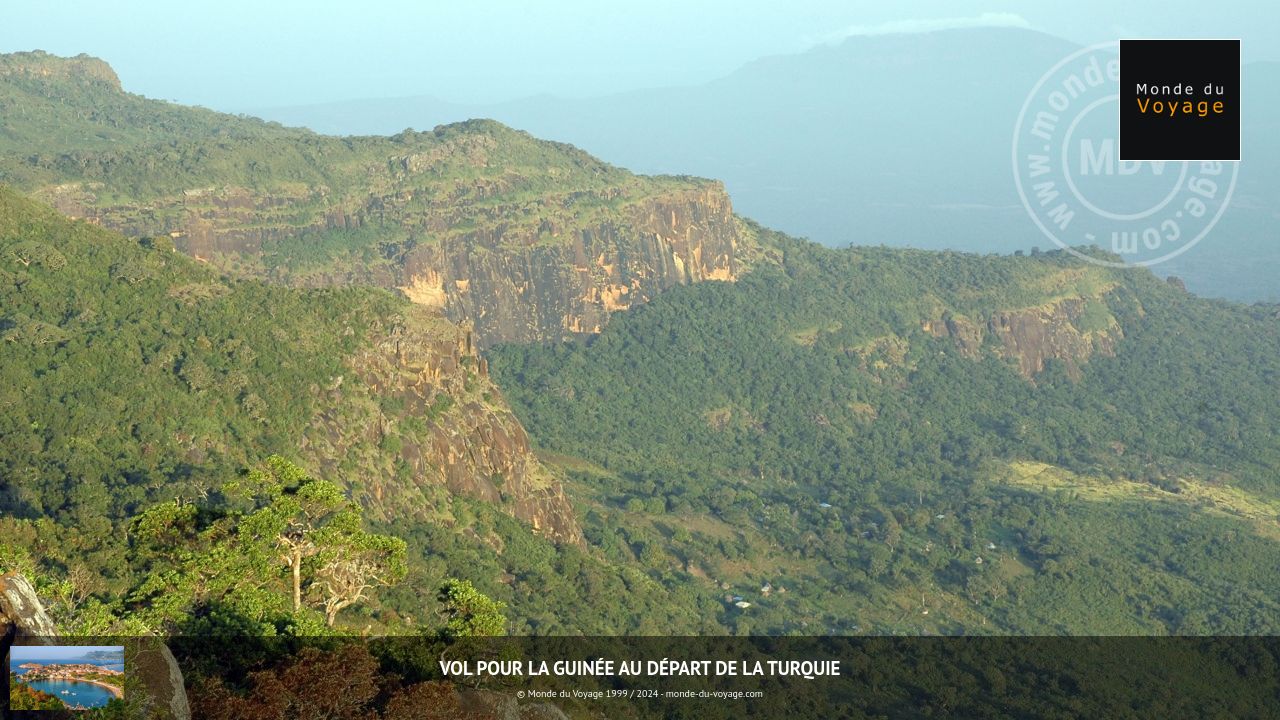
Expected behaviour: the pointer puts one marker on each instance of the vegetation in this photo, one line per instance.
(136, 402)
(800, 430)
(843, 442)
(863, 440)
(348, 682)
(205, 565)
(468, 613)
(796, 432)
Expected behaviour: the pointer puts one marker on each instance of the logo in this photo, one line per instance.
(1071, 180)
(1180, 99)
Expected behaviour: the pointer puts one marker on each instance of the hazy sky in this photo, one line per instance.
(241, 54)
(58, 652)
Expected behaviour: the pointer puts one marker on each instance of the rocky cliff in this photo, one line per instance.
(1068, 330)
(43, 67)
(564, 277)
(528, 240)
(516, 282)
(419, 404)
(521, 268)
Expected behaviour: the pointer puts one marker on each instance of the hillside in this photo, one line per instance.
(526, 239)
(839, 437)
(858, 440)
(132, 376)
(927, 442)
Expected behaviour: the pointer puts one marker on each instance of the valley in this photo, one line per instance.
(584, 401)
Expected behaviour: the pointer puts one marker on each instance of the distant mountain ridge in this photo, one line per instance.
(898, 139)
(105, 655)
(525, 239)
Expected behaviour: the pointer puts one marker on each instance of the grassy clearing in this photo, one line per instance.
(1261, 512)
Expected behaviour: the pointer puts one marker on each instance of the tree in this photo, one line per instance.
(35, 332)
(336, 685)
(312, 521)
(30, 252)
(25, 697)
(301, 506)
(467, 612)
(354, 562)
(229, 558)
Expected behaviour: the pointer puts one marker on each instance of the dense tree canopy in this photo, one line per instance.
(802, 428)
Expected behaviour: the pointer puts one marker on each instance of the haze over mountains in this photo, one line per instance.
(895, 139)
(904, 440)
(321, 411)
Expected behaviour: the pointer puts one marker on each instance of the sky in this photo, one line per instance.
(46, 653)
(237, 55)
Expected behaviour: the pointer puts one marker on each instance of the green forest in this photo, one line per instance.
(799, 430)
(137, 383)
(863, 440)
(253, 407)
(320, 207)
(795, 441)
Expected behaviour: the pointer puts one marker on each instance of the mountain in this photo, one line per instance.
(922, 442)
(132, 376)
(859, 440)
(895, 139)
(102, 333)
(524, 239)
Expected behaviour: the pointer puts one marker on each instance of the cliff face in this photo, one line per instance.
(528, 270)
(521, 239)
(419, 404)
(21, 613)
(518, 286)
(528, 240)
(1069, 330)
(386, 397)
(41, 66)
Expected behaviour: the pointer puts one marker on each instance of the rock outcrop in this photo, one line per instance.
(515, 280)
(151, 664)
(1068, 330)
(21, 613)
(515, 287)
(42, 66)
(434, 420)
(528, 240)
(1037, 335)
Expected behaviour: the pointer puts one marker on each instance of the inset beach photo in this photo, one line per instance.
(65, 677)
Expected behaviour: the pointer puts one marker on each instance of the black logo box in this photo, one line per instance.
(1185, 67)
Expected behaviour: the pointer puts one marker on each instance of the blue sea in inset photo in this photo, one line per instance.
(75, 693)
